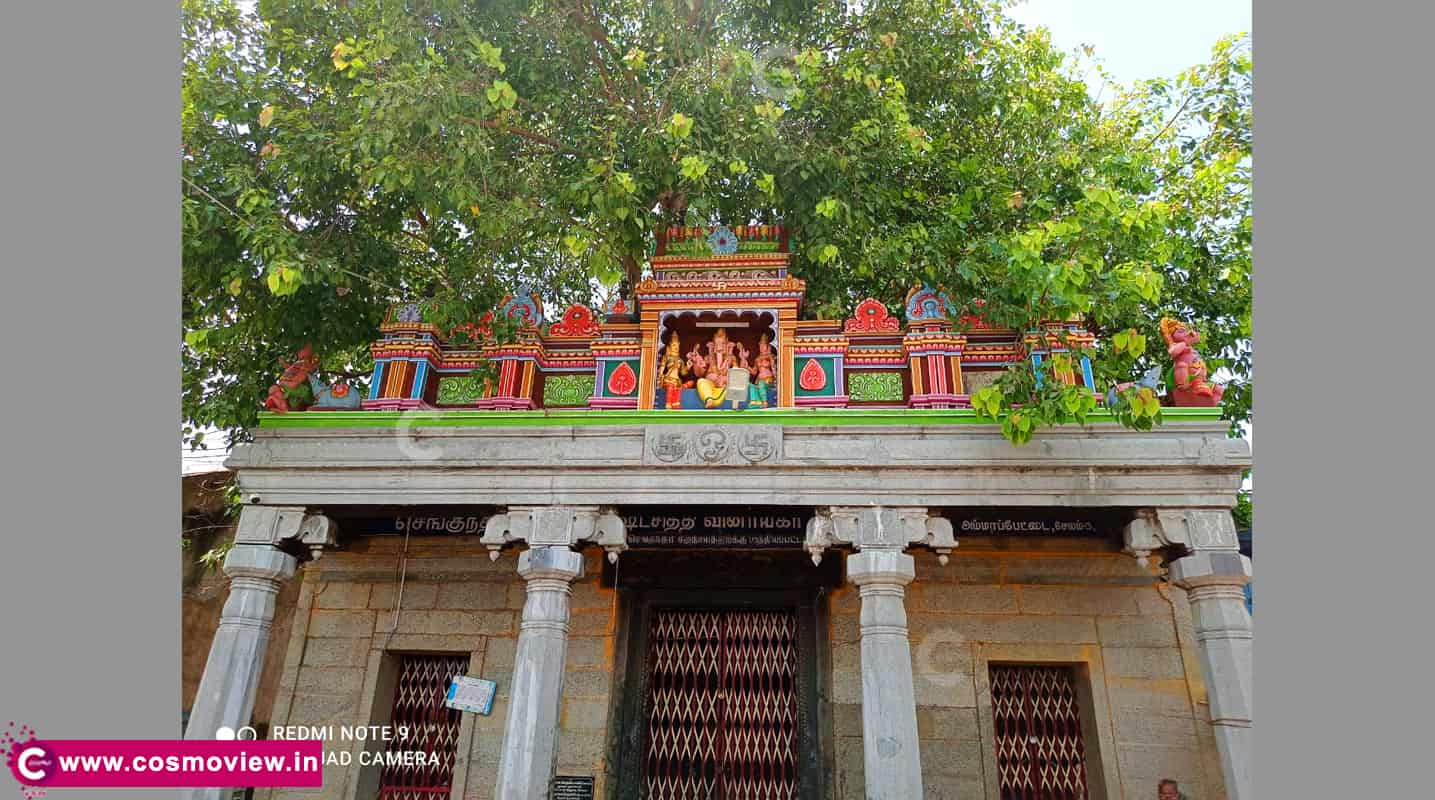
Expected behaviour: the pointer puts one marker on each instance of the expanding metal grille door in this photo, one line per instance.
(722, 706)
(433, 728)
(1040, 755)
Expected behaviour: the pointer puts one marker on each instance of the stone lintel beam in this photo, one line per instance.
(556, 526)
(878, 528)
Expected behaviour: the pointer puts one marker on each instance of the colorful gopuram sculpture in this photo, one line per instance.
(718, 309)
(299, 389)
(1190, 387)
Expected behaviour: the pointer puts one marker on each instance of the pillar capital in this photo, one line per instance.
(550, 563)
(556, 526)
(881, 567)
(1205, 568)
(1180, 529)
(878, 528)
(259, 562)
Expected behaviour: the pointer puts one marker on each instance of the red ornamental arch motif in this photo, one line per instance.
(622, 381)
(578, 320)
(871, 316)
(813, 377)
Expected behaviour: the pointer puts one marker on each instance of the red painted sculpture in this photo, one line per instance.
(287, 394)
(1190, 387)
(299, 388)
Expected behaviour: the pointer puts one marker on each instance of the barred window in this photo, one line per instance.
(1040, 751)
(419, 705)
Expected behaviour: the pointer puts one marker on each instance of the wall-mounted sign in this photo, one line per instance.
(418, 522)
(572, 787)
(730, 527)
(1036, 521)
(471, 694)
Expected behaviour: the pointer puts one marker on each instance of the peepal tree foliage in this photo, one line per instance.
(342, 157)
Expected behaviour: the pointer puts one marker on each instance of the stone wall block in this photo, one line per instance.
(341, 624)
(416, 595)
(336, 652)
(472, 595)
(341, 595)
(962, 598)
(1137, 632)
(1093, 600)
(1022, 629)
(1152, 663)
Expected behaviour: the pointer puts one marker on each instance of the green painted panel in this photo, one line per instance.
(459, 390)
(829, 368)
(609, 367)
(567, 390)
(872, 387)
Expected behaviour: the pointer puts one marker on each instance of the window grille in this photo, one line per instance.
(1040, 752)
(433, 728)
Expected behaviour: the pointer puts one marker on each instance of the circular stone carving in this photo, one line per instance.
(712, 445)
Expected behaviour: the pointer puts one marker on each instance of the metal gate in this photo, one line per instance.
(433, 727)
(1040, 754)
(722, 719)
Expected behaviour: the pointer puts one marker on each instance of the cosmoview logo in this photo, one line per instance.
(35, 763)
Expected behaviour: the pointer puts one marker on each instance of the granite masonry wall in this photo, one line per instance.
(1056, 601)
(455, 600)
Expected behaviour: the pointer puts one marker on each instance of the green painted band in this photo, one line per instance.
(784, 416)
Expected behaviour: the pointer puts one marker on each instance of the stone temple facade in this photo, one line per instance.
(823, 602)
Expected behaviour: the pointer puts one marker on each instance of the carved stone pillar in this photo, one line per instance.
(892, 764)
(1208, 564)
(549, 567)
(256, 567)
(530, 737)
(1215, 583)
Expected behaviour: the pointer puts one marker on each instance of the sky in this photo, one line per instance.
(1134, 40)
(1138, 39)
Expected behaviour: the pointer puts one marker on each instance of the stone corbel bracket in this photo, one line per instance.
(287, 528)
(878, 528)
(1182, 530)
(556, 526)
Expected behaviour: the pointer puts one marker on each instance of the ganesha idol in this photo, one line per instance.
(712, 367)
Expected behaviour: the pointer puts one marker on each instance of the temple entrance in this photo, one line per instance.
(721, 705)
(721, 657)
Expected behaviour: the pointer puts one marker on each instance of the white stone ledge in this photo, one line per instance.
(1184, 464)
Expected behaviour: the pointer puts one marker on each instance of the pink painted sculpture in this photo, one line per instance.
(1190, 386)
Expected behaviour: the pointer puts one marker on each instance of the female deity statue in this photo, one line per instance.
(670, 374)
(764, 363)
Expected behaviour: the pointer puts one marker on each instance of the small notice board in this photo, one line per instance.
(572, 787)
(471, 694)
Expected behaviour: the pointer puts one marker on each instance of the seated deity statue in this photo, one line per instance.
(712, 367)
